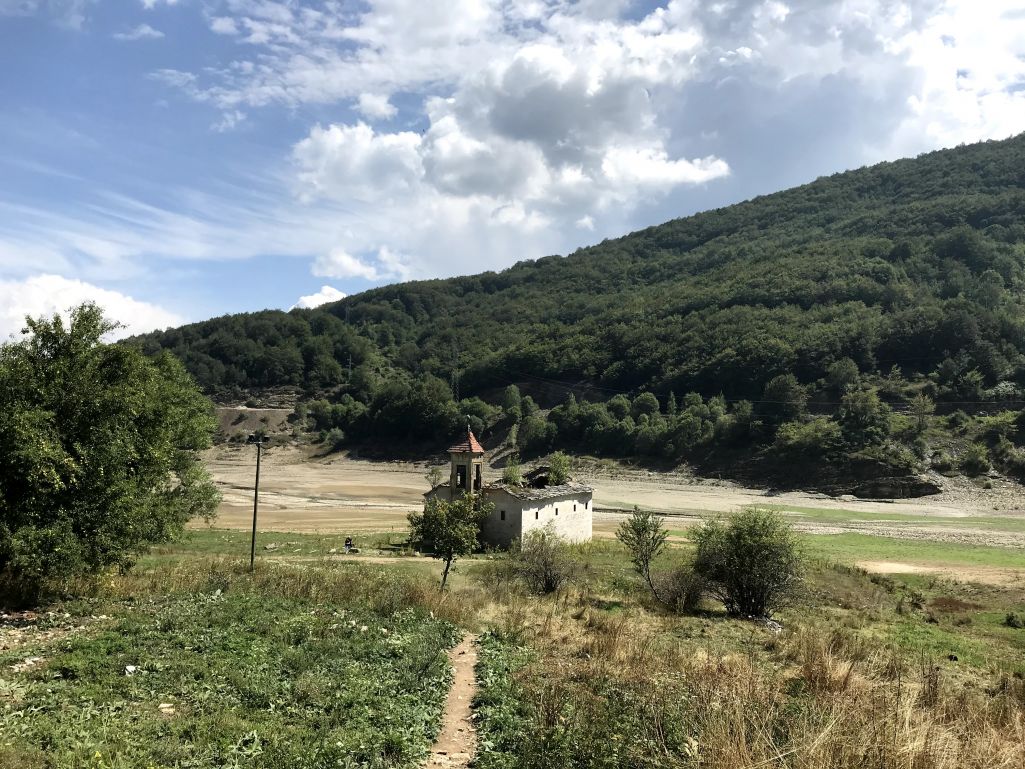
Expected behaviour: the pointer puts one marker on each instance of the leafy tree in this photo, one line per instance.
(751, 562)
(100, 448)
(644, 404)
(449, 529)
(922, 406)
(864, 419)
(644, 536)
(434, 476)
(842, 374)
(558, 472)
(784, 399)
(512, 403)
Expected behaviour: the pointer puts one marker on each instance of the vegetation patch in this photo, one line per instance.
(232, 678)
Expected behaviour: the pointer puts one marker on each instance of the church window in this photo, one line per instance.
(574, 507)
(461, 477)
(537, 513)
(503, 514)
(556, 511)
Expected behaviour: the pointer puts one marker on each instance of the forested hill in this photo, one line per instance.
(916, 264)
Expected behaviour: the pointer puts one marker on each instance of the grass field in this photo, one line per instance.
(275, 670)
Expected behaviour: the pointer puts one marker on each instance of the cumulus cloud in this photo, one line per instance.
(374, 106)
(149, 5)
(141, 32)
(324, 296)
(506, 129)
(340, 264)
(50, 294)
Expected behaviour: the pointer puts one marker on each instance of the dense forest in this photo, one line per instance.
(865, 290)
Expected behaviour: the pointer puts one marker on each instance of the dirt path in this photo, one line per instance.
(458, 737)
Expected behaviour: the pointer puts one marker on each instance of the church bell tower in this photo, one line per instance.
(467, 464)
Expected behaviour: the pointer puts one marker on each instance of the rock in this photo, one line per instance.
(271, 546)
(130, 670)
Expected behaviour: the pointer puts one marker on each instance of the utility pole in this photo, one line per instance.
(259, 440)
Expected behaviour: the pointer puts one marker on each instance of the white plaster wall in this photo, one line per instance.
(574, 525)
(496, 532)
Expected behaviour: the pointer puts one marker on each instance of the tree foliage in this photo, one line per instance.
(644, 536)
(449, 529)
(767, 311)
(100, 451)
(751, 562)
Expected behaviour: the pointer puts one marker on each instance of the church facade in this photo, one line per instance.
(567, 508)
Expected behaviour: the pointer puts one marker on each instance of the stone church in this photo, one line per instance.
(567, 507)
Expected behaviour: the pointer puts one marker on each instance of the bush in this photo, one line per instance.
(100, 448)
(942, 462)
(333, 438)
(807, 440)
(511, 474)
(751, 562)
(558, 473)
(681, 589)
(975, 460)
(542, 561)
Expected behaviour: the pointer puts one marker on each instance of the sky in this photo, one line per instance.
(174, 160)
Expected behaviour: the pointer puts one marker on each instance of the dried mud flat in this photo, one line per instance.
(301, 492)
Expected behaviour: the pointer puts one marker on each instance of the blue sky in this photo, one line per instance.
(175, 160)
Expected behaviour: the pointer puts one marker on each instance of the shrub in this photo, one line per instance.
(1013, 620)
(975, 460)
(542, 560)
(680, 589)
(942, 462)
(558, 473)
(751, 562)
(333, 438)
(511, 474)
(813, 439)
(100, 448)
(645, 537)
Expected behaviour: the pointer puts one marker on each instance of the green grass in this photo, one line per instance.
(850, 548)
(828, 515)
(255, 680)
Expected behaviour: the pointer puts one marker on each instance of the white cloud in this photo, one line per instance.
(141, 32)
(223, 25)
(354, 161)
(49, 294)
(229, 121)
(340, 264)
(324, 296)
(376, 107)
(149, 5)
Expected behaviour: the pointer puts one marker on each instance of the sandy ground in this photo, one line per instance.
(336, 494)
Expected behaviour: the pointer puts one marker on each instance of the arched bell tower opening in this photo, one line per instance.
(467, 473)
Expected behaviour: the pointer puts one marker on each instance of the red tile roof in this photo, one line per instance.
(470, 444)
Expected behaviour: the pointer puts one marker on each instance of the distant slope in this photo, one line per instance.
(917, 263)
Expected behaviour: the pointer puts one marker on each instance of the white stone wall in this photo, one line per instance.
(498, 532)
(573, 524)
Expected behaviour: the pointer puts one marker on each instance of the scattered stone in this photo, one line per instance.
(166, 708)
(130, 670)
(26, 664)
(271, 546)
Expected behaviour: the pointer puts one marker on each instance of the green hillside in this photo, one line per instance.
(900, 279)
